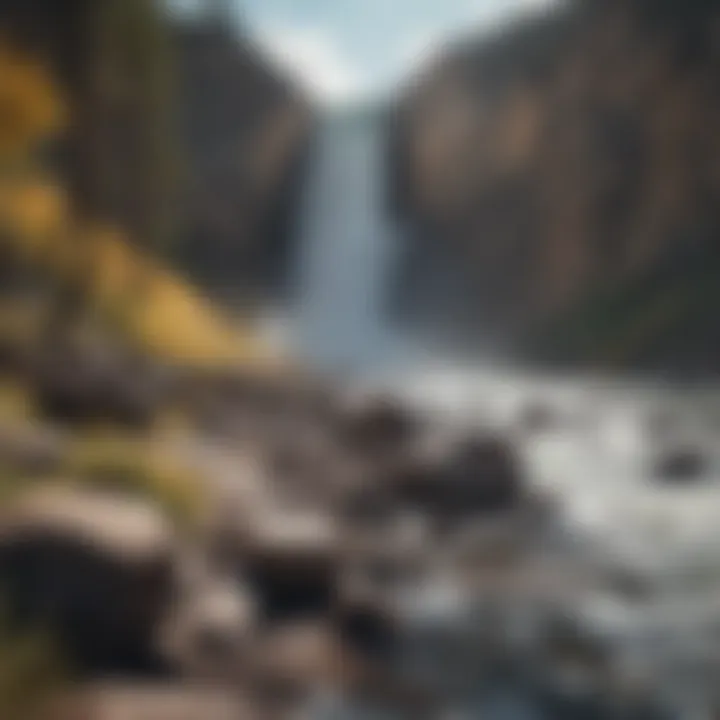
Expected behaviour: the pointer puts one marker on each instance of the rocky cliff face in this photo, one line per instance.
(563, 161)
(246, 130)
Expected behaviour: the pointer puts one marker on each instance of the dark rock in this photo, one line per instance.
(684, 464)
(367, 505)
(96, 384)
(97, 569)
(376, 423)
(235, 238)
(467, 477)
(368, 629)
(291, 561)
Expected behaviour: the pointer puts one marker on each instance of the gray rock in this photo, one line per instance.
(376, 424)
(681, 465)
(470, 476)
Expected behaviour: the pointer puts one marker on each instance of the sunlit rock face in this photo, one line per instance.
(569, 152)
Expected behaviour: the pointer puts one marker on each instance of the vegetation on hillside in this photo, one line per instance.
(42, 236)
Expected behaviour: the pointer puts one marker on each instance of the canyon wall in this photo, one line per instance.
(569, 164)
(181, 135)
(246, 130)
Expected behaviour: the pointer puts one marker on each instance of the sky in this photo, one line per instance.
(341, 50)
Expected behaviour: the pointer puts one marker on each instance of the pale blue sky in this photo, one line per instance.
(342, 49)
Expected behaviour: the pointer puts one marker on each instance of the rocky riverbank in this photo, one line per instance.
(347, 552)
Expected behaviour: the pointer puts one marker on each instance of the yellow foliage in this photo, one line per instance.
(31, 108)
(16, 402)
(33, 211)
(113, 265)
(177, 323)
(141, 468)
(159, 311)
(32, 672)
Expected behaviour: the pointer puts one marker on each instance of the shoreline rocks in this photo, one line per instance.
(388, 556)
(97, 569)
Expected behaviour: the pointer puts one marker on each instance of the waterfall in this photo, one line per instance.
(346, 243)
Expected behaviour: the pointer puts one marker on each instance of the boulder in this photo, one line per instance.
(292, 559)
(77, 384)
(468, 476)
(98, 569)
(680, 465)
(375, 423)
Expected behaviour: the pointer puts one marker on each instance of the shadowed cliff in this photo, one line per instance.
(245, 129)
(569, 164)
(181, 134)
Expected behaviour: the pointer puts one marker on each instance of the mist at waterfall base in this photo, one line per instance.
(339, 315)
(596, 458)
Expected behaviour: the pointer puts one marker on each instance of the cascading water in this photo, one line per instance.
(346, 244)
